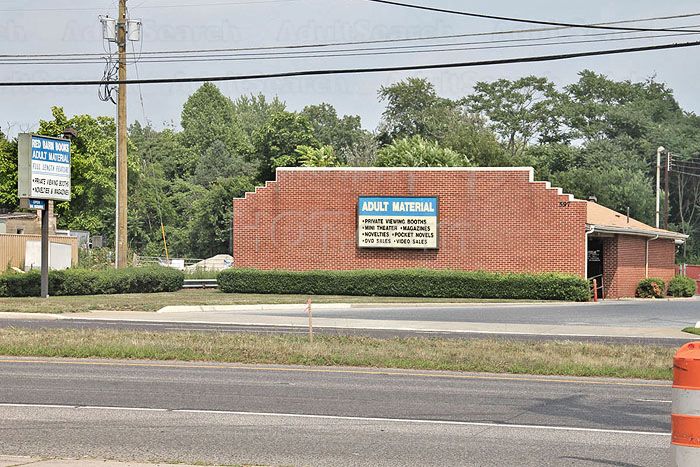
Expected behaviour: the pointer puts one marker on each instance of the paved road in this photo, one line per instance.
(378, 333)
(218, 413)
(635, 313)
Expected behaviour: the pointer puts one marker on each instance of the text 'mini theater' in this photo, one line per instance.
(490, 219)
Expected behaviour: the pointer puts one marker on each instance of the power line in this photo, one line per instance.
(518, 20)
(370, 51)
(685, 161)
(686, 173)
(685, 166)
(380, 41)
(247, 2)
(343, 71)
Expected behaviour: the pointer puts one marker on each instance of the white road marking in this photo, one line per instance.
(136, 409)
(360, 419)
(654, 400)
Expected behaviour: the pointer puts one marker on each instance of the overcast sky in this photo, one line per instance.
(69, 26)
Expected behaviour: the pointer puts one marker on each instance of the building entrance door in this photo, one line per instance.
(595, 262)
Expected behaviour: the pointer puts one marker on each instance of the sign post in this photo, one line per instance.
(43, 174)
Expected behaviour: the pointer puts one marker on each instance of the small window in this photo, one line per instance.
(20, 231)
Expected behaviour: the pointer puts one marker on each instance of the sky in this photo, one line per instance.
(72, 26)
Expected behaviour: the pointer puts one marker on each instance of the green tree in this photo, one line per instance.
(520, 111)
(615, 188)
(469, 135)
(331, 130)
(211, 222)
(254, 111)
(164, 148)
(597, 107)
(217, 162)
(363, 151)
(209, 116)
(92, 171)
(276, 142)
(413, 108)
(8, 174)
(317, 157)
(418, 152)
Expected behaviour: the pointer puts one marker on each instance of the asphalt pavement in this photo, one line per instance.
(657, 322)
(633, 313)
(277, 415)
(177, 326)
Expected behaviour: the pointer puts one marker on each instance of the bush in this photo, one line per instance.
(651, 287)
(89, 282)
(682, 286)
(407, 283)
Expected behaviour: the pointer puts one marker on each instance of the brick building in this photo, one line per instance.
(492, 219)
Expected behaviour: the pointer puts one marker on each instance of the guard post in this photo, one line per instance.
(685, 408)
(43, 174)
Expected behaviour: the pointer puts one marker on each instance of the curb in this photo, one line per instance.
(277, 307)
(348, 306)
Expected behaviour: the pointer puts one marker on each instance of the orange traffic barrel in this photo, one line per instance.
(685, 410)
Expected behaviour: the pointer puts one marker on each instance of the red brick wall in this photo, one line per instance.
(693, 271)
(626, 264)
(490, 219)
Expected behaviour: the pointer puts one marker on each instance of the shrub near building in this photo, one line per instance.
(651, 287)
(87, 282)
(682, 286)
(407, 283)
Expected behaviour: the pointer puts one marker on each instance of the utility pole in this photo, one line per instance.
(667, 169)
(121, 231)
(658, 182)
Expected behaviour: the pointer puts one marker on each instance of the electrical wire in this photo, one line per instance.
(379, 41)
(376, 51)
(684, 167)
(518, 20)
(686, 161)
(247, 2)
(686, 173)
(105, 91)
(344, 71)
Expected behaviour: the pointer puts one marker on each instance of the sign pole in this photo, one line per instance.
(45, 252)
(311, 327)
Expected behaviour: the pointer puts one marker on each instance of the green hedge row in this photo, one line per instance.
(89, 282)
(407, 283)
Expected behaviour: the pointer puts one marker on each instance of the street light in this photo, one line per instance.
(658, 182)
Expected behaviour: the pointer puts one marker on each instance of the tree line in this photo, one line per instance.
(595, 136)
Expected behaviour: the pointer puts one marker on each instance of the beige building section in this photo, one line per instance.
(13, 248)
(26, 222)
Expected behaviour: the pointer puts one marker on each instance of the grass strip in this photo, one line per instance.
(155, 301)
(477, 355)
(692, 330)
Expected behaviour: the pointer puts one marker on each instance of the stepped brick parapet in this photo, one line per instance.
(491, 219)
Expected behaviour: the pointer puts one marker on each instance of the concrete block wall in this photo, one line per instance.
(489, 219)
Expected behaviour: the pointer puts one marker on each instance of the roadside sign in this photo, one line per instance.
(43, 173)
(36, 204)
(44, 168)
